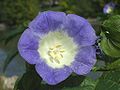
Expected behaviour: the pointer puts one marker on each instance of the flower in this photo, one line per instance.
(108, 8)
(58, 44)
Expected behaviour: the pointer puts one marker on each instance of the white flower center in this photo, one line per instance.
(57, 49)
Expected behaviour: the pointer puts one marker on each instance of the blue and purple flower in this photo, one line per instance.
(58, 44)
(108, 8)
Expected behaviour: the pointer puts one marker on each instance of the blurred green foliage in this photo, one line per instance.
(110, 42)
(84, 8)
(109, 81)
(15, 12)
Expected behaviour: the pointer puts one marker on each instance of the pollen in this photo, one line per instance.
(56, 52)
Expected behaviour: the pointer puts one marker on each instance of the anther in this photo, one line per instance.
(57, 46)
(51, 59)
(62, 51)
(51, 48)
(61, 55)
(57, 61)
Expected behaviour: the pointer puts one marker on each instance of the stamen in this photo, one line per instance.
(62, 50)
(57, 46)
(51, 48)
(51, 59)
(57, 61)
(55, 53)
(61, 55)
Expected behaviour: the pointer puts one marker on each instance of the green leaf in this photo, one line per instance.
(113, 23)
(9, 58)
(109, 81)
(87, 84)
(113, 35)
(117, 44)
(108, 47)
(112, 27)
(114, 65)
(29, 81)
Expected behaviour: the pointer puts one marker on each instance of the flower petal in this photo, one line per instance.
(28, 45)
(52, 76)
(47, 21)
(80, 29)
(84, 60)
